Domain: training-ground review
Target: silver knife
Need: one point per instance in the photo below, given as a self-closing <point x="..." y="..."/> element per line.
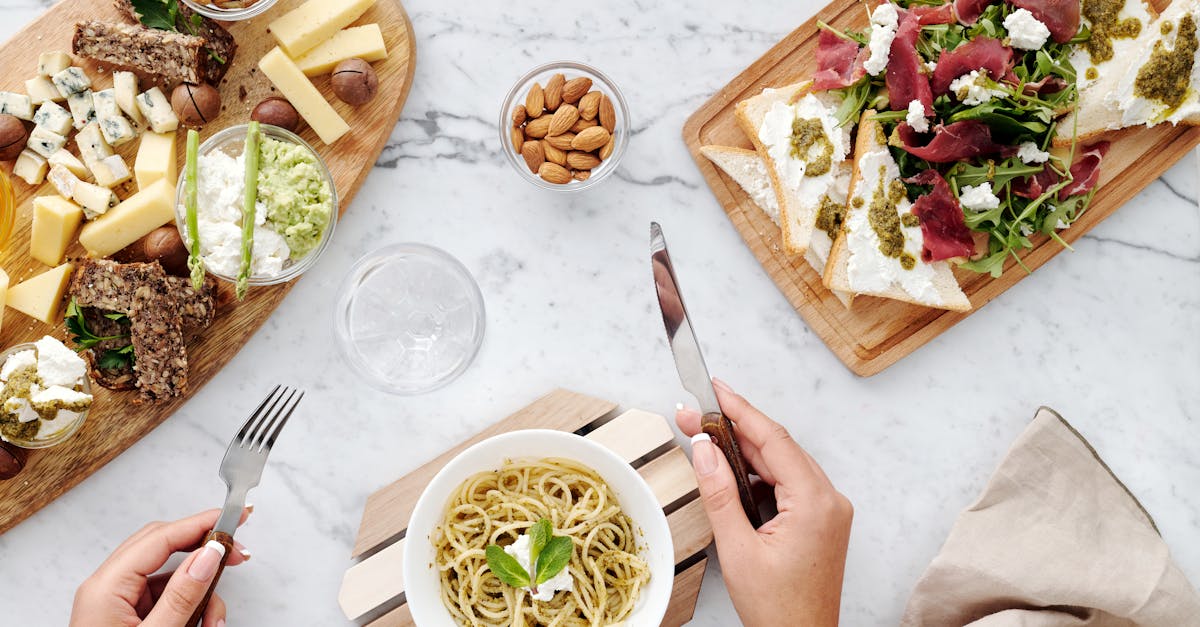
<point x="693" y="373"/>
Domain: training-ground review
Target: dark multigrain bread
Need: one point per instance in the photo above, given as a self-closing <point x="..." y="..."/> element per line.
<point x="92" y="282"/>
<point x="160" y="356"/>
<point x="217" y="40"/>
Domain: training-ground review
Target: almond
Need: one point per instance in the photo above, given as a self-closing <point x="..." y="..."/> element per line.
<point x="537" y="128"/>
<point x="582" y="160"/>
<point x="582" y="124"/>
<point x="519" y="115"/>
<point x="554" y="173"/>
<point x="582" y="175"/>
<point x="607" y="150"/>
<point x="553" y="91"/>
<point x="590" y="139"/>
<point x="534" y="157"/>
<point x="561" y="142"/>
<point x="589" y="105"/>
<point x="518" y="139"/>
<point x="575" y="88"/>
<point x="562" y="120"/>
<point x="608" y="115"/>
<point x="535" y="102"/>
<point x="554" y="154"/>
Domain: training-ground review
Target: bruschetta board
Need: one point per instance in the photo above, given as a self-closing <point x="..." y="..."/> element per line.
<point x="372" y="590"/>
<point x="875" y="333"/>
<point x="116" y="421"/>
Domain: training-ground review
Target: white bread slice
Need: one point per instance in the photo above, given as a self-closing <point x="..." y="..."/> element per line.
<point x="747" y="169"/>
<point x="937" y="286"/>
<point x="1137" y="110"/>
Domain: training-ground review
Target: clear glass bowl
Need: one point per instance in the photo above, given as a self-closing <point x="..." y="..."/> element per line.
<point x="600" y="83"/>
<point x="232" y="141"/>
<point x="68" y="430"/>
<point x="409" y="318"/>
<point x="229" y="15"/>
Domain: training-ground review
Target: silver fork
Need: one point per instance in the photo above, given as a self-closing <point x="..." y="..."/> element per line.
<point x="242" y="468"/>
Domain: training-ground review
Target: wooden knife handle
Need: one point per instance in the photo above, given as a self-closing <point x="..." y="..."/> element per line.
<point x="720" y="429"/>
<point x="226" y="541"/>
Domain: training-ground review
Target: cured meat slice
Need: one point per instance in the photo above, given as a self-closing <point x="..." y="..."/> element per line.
<point x="968" y="11"/>
<point x="981" y="53"/>
<point x="952" y="142"/>
<point x="944" y="231"/>
<point x="839" y="62"/>
<point x="1060" y="16"/>
<point x="934" y="15"/>
<point x="1085" y="173"/>
<point x="905" y="80"/>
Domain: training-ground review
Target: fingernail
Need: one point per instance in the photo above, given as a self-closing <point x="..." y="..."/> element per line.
<point x="206" y="564"/>
<point x="241" y="548"/>
<point x="704" y="454"/>
<point x="220" y="622"/>
<point x="721" y="385"/>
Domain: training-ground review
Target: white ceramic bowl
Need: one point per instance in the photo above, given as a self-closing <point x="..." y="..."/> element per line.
<point x="422" y="583"/>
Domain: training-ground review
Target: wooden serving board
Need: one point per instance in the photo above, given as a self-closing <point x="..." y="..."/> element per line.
<point x="373" y="589"/>
<point x="115" y="422"/>
<point x="878" y="332"/>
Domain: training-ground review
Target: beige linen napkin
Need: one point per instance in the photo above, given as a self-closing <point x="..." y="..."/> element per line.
<point x="1056" y="540"/>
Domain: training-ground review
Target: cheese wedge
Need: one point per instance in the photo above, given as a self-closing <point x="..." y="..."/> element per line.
<point x="363" y="42"/>
<point x="41" y="297"/>
<point x="155" y="159"/>
<point x="309" y="102"/>
<point x="124" y="224"/>
<point x="314" y="22"/>
<point x="55" y="221"/>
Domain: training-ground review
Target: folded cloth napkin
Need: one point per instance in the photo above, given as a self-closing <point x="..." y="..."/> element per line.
<point x="1056" y="540"/>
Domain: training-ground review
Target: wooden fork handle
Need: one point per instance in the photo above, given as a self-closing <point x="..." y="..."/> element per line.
<point x="226" y="541"/>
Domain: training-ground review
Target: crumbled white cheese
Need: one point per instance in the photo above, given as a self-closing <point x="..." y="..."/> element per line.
<point x="978" y="197"/>
<point x="931" y="66"/>
<point x="21" y="408"/>
<point x="916" y="117"/>
<point x="974" y="89"/>
<point x="884" y="20"/>
<point x="1026" y="230"/>
<point x="57" y="394"/>
<point x="1025" y="31"/>
<point x="57" y="364"/>
<point x="17" y="361"/>
<point x="1060" y="225"/>
<point x="219" y="220"/>
<point x="562" y="581"/>
<point x="1029" y="153"/>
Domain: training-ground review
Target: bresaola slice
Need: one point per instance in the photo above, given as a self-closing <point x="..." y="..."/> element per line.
<point x="1060" y="16"/>
<point x="943" y="14"/>
<point x="1085" y="173"/>
<point x="839" y="62"/>
<point x="952" y="142"/>
<point x="968" y="11"/>
<point x="943" y="229"/>
<point x="905" y="80"/>
<point x="981" y="53"/>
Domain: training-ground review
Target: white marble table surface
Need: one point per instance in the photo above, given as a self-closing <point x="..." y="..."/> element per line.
<point x="1106" y="335"/>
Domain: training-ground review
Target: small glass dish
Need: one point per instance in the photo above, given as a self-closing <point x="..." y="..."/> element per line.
<point x="232" y="141"/>
<point x="67" y="430"/>
<point x="209" y="9"/>
<point x="409" y="318"/>
<point x="600" y="83"/>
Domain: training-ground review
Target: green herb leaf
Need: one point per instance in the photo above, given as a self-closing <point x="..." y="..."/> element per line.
<point x="506" y="567"/>
<point x="159" y="14"/>
<point x="539" y="536"/>
<point x="554" y="558"/>
<point x="116" y="359"/>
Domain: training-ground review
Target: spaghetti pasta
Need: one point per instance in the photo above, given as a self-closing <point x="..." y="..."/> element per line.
<point x="496" y="507"/>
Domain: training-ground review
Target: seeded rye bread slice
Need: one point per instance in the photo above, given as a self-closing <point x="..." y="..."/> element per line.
<point x="747" y="169"/>
<point x="837" y="275"/>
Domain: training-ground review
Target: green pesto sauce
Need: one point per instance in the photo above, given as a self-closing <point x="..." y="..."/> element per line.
<point x="811" y="145"/>
<point x="830" y="215"/>
<point x="18" y="386"/>
<point x="884" y="219"/>
<point x="910" y="220"/>
<point x="1091" y="74"/>
<point x="857" y="202"/>
<point x="1165" y="27"/>
<point x="907" y="261"/>
<point x="1102" y="14"/>
<point x="1166" y="74"/>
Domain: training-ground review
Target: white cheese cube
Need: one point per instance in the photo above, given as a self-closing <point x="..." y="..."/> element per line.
<point x="94" y="199"/>
<point x="92" y="146"/>
<point x="52" y="117"/>
<point x="71" y="81"/>
<point x="63" y="180"/>
<point x="51" y="63"/>
<point x="117" y="130"/>
<point x="69" y="161"/>
<point x="154" y="105"/>
<point x="18" y="105"/>
<point x="125" y="87"/>
<point x="83" y="108"/>
<point x="105" y="102"/>
<point x="40" y="90"/>
<point x="45" y="142"/>
<point x="110" y="171"/>
<point x="30" y="167"/>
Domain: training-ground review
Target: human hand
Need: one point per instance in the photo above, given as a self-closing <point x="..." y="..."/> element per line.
<point x="789" y="571"/>
<point x="125" y="592"/>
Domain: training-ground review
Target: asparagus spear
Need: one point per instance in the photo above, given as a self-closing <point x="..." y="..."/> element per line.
<point x="195" y="263"/>
<point x="251" y="155"/>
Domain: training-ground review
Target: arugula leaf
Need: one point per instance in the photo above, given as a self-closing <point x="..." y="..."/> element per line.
<point x="506" y="567"/>
<point x="539" y="536"/>
<point x="554" y="558"/>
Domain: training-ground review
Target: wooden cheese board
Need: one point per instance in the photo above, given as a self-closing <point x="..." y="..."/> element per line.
<point x="877" y="333"/>
<point x="372" y="590"/>
<point x="115" y="423"/>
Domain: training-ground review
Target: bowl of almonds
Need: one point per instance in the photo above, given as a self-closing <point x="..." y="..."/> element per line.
<point x="564" y="126"/>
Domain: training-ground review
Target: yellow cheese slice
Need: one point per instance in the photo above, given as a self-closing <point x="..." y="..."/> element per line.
<point x="139" y="214"/>
<point x="312" y="23"/>
<point x="155" y="159"/>
<point x="41" y="296"/>
<point x="55" y="221"/>
<point x="309" y="102"/>
<point x="364" y="42"/>
<point x="3" y="293"/>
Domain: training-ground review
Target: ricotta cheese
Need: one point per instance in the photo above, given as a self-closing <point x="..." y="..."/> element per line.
<point x="219" y="204"/>
<point x="884" y="20"/>
<point x="974" y="89"/>
<point x="562" y="581"/>
<point x="18" y="361"/>
<point x="1029" y="153"/>
<point x="1138" y="110"/>
<point x="58" y="365"/>
<point x="916" y="117"/>
<point x="1025" y="31"/>
<point x="978" y="197"/>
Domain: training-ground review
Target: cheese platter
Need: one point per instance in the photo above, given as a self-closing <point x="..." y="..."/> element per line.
<point x="141" y="125"/>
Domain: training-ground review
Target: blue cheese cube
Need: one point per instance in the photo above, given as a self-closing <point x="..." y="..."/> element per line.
<point x="125" y="85"/>
<point x="117" y="130"/>
<point x="110" y="171"/>
<point x="30" y="167"/>
<point x="92" y="146"/>
<point x="105" y="102"/>
<point x="63" y="180"/>
<point x="51" y="63"/>
<point x="69" y="161"/>
<point x="71" y="81"/>
<point x="45" y="142"/>
<point x="83" y="108"/>
<point x="52" y="117"/>
<point x="18" y="105"/>
<point x="95" y="200"/>
<point x="154" y="105"/>
<point x="40" y="90"/>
